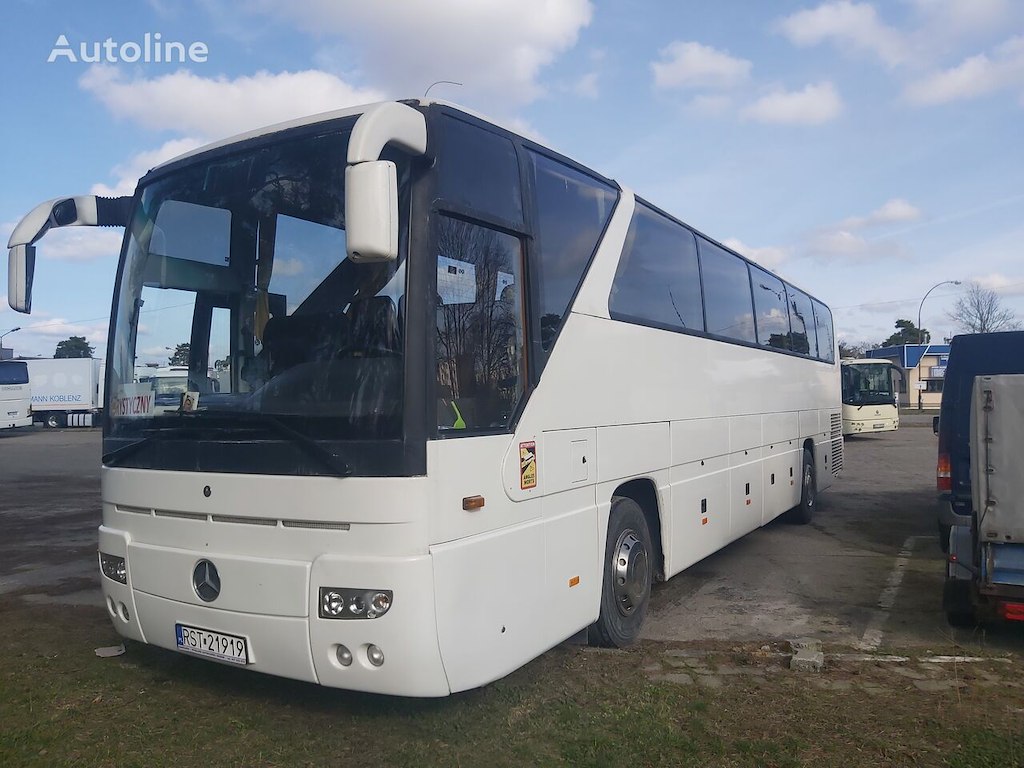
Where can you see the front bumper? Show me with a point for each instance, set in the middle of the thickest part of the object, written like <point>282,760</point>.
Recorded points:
<point>274,606</point>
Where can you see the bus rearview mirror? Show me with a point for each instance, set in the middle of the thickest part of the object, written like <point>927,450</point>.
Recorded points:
<point>21,266</point>
<point>371,211</point>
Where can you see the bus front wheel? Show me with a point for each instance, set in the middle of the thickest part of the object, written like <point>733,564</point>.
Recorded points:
<point>626,589</point>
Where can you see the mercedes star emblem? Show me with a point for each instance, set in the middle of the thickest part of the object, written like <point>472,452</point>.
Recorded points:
<point>206,581</point>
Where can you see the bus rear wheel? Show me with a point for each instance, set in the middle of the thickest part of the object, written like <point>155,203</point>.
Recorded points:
<point>626,589</point>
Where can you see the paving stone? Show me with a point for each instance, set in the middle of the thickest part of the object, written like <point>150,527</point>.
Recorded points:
<point>710,681</point>
<point>728,670</point>
<point>910,672</point>
<point>833,685</point>
<point>938,686</point>
<point>679,678</point>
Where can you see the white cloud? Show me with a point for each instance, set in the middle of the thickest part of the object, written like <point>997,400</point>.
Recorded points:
<point>1001,284</point>
<point>74,243</point>
<point>815,104</point>
<point>218,107</point>
<point>851,26</point>
<point>959,18</point>
<point>895,211</point>
<point>495,48</point>
<point>81,244</point>
<point>845,240</point>
<point>769,256</point>
<point>130,172</point>
<point>973,77</point>
<point>692,65</point>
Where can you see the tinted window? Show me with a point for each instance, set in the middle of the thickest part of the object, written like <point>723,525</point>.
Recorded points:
<point>801,318</point>
<point>823,325</point>
<point>770,307</point>
<point>658,280</point>
<point>572,211</point>
<point>480,361</point>
<point>727,304</point>
<point>478,169</point>
<point>13,373</point>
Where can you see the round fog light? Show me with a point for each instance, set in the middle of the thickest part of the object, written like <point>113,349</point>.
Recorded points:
<point>374,655</point>
<point>344,655</point>
<point>380,603</point>
<point>124,612</point>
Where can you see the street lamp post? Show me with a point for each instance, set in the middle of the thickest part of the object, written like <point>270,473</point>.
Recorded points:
<point>2,339</point>
<point>920,340</point>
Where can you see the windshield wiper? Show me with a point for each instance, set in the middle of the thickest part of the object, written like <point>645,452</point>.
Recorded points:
<point>195,424</point>
<point>113,458</point>
<point>329,460</point>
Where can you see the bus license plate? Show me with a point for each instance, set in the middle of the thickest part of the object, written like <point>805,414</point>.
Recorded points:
<point>878,426</point>
<point>214,645</point>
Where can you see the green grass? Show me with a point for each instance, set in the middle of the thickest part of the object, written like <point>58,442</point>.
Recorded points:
<point>62,705</point>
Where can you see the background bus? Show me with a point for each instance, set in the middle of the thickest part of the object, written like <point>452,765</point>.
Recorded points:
<point>478,398</point>
<point>869,397</point>
<point>15,395</point>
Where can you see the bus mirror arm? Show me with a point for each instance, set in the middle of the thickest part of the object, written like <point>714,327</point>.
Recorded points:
<point>79,211</point>
<point>371,184</point>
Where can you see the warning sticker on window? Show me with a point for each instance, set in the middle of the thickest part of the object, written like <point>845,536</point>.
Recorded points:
<point>528,465</point>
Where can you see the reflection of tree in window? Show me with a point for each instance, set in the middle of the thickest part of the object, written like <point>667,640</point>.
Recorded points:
<point>479,325</point>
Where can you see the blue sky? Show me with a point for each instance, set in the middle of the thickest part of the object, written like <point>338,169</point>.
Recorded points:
<point>865,151</point>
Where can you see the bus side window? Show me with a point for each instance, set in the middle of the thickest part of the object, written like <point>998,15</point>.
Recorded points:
<point>823,326</point>
<point>728,306</point>
<point>658,281</point>
<point>480,304</point>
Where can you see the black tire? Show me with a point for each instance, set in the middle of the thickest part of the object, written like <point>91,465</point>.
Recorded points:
<point>55,420</point>
<point>803,512</point>
<point>958,604</point>
<point>626,589</point>
<point>944,537</point>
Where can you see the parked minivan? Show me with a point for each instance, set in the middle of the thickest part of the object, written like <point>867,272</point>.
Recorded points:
<point>970,355</point>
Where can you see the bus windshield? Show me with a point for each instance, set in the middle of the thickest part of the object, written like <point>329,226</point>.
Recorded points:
<point>13,373</point>
<point>867,384</point>
<point>235,269</point>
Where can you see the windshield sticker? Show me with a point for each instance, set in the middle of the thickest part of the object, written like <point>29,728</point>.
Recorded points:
<point>505,279</point>
<point>189,401</point>
<point>134,402</point>
<point>456,281</point>
<point>528,465</point>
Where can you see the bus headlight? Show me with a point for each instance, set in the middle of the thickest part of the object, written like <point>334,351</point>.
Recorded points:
<point>343,603</point>
<point>113,568</point>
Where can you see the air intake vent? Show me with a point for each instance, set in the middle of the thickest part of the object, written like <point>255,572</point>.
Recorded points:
<point>837,444</point>
<point>269,522</point>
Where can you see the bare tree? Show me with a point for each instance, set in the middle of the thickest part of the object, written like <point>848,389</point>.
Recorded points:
<point>980,310</point>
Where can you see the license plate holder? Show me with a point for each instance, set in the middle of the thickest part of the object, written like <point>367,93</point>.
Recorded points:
<point>232,649</point>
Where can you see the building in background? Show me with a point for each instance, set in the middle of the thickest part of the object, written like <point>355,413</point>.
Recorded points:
<point>924,370</point>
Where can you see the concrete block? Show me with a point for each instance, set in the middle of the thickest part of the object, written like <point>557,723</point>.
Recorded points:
<point>807,661</point>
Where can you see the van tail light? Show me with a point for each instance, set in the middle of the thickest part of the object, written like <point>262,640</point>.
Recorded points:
<point>943,477</point>
<point>1012,611</point>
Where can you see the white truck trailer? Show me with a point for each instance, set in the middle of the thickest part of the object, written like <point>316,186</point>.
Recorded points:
<point>985,572</point>
<point>66,391</point>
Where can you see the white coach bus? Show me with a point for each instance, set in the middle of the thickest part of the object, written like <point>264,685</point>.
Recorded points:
<point>479,398</point>
<point>15,395</point>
